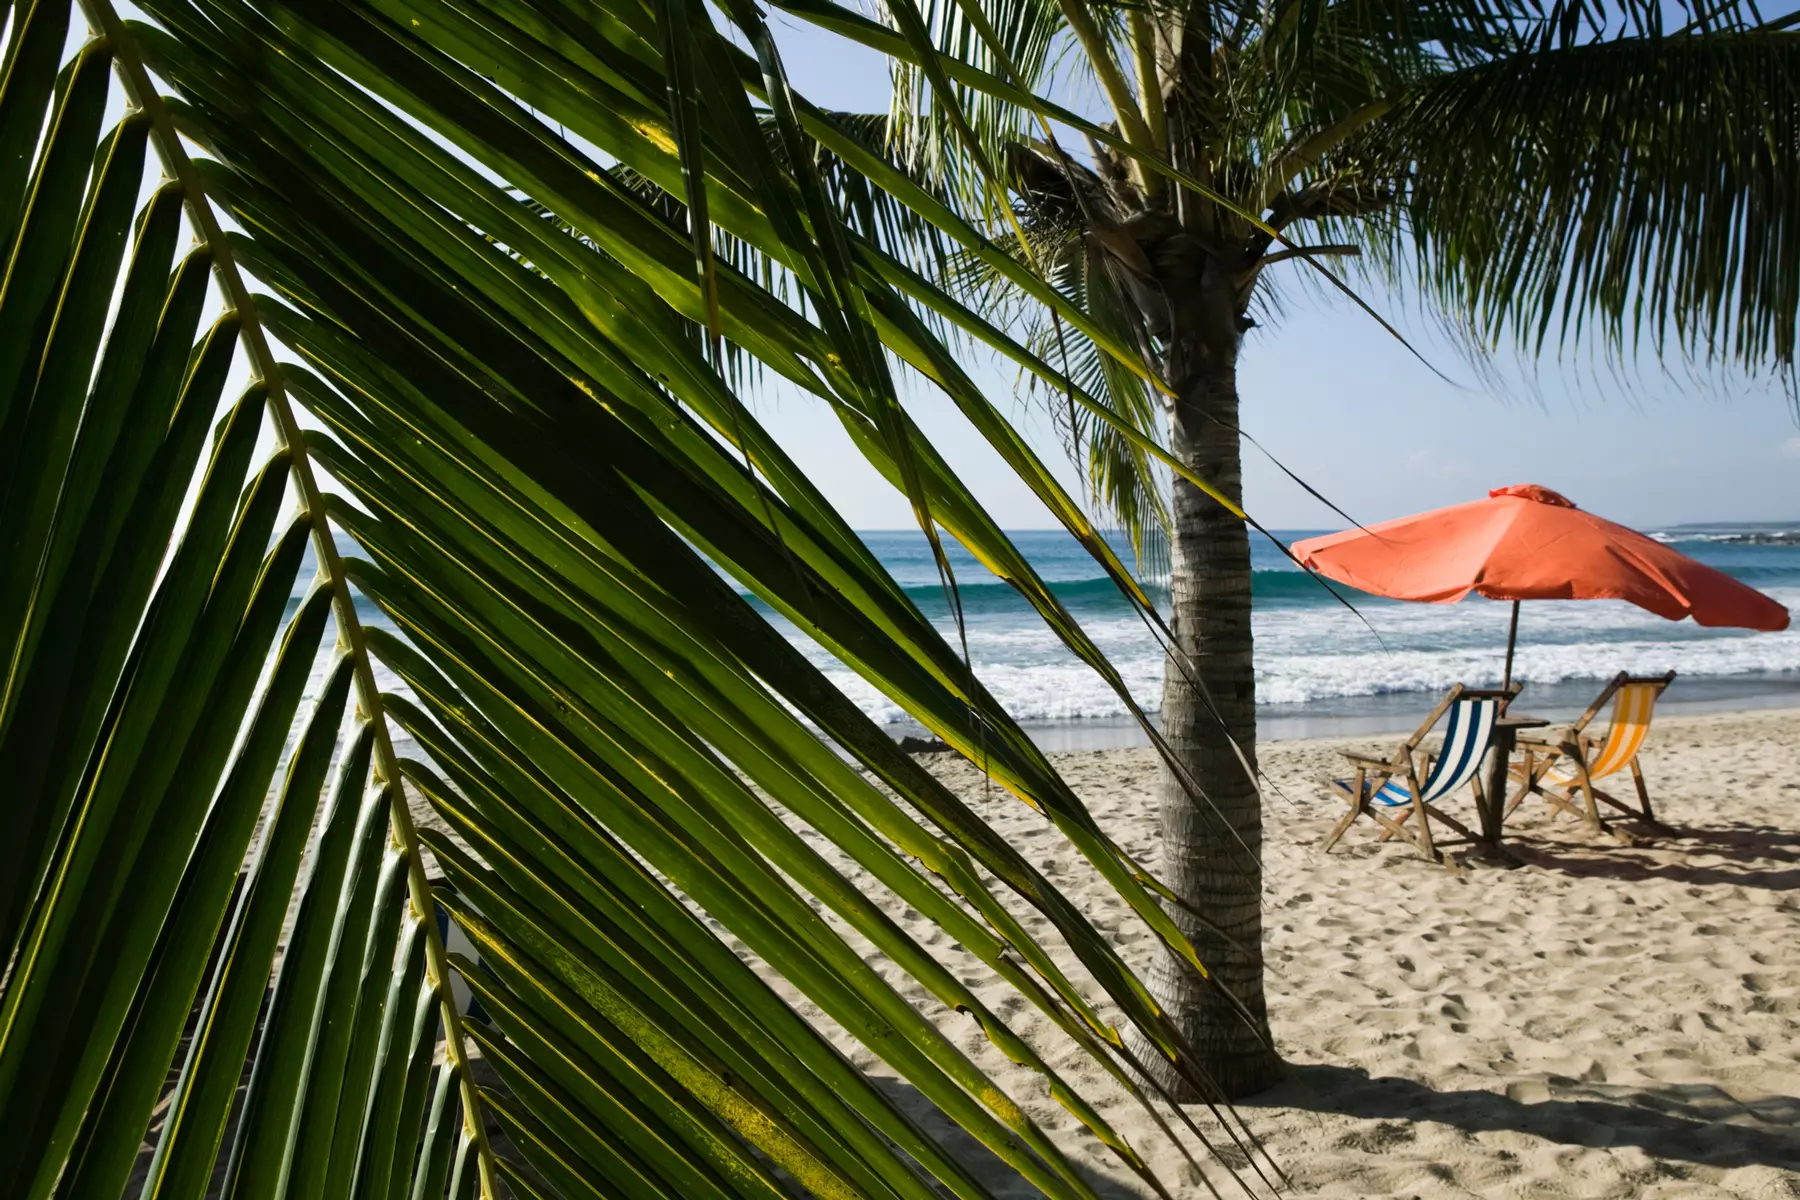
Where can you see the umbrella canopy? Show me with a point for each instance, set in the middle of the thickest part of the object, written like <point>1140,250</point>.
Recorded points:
<point>1526,542</point>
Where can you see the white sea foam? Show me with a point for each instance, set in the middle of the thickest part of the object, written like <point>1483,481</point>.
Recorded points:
<point>1305,655</point>
<point>1311,653</point>
<point>1672,537</point>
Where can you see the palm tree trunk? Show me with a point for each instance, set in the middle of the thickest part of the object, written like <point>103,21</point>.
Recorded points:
<point>1212,845</point>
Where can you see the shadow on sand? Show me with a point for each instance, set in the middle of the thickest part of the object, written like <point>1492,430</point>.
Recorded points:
<point>1228,1170</point>
<point>1752,856</point>
<point>1695,1123</point>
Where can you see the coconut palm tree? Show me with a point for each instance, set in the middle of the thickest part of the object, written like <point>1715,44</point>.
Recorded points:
<point>1613,173</point>
<point>414,783</point>
<point>409,792</point>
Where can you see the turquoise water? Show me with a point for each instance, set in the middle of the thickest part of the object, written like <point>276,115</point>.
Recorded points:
<point>1322,668</point>
<point>1314,653</point>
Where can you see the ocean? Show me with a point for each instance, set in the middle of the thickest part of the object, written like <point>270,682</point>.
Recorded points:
<point>1321,670</point>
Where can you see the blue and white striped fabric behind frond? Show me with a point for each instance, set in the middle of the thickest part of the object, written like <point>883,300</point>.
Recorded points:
<point>1466,739</point>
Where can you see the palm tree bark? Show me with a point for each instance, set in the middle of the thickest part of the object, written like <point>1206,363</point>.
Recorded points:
<point>1212,845</point>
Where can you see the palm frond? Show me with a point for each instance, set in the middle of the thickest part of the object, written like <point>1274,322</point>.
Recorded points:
<point>1614,190</point>
<point>478,370</point>
<point>1125,480</point>
<point>869,212</point>
<point>1027,32</point>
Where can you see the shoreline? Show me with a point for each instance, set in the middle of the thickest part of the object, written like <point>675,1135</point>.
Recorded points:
<point>1400,712</point>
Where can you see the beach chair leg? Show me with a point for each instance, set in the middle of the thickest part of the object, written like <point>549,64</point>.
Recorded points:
<point>1542,769</point>
<point>1585,783</point>
<point>1393,828</point>
<point>1489,820</point>
<point>1445,819</point>
<point>1607,798</point>
<point>1426,846</point>
<point>1388,835</point>
<point>1637,777</point>
<point>1420,836</point>
<point>1539,770</point>
<point>1527,785</point>
<point>1343,826</point>
<point>1423,834</point>
<point>1356,802</point>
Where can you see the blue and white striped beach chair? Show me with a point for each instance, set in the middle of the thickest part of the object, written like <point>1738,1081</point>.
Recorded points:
<point>1393,791</point>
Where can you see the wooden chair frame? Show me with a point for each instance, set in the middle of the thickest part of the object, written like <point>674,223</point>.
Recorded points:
<point>1580,748</point>
<point>1413,765</point>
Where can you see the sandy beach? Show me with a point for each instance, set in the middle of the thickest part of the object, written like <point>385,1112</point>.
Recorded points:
<point>1602,1021</point>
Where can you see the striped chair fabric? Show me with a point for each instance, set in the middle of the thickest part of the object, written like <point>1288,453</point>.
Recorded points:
<point>1381,790</point>
<point>1633,706</point>
<point>1466,737</point>
<point>1563,768</point>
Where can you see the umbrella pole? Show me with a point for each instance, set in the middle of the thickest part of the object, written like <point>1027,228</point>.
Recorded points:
<point>1512,639</point>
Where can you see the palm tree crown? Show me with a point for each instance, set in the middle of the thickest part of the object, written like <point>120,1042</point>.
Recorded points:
<point>1541,175</point>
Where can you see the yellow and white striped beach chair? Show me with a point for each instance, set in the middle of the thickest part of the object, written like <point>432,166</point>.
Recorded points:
<point>1566,766</point>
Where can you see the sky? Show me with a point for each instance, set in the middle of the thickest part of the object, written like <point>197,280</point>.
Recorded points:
<point>1349,409</point>
<point>1345,406</point>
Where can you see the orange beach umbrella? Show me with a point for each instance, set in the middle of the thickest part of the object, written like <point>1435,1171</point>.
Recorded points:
<point>1526,542</point>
